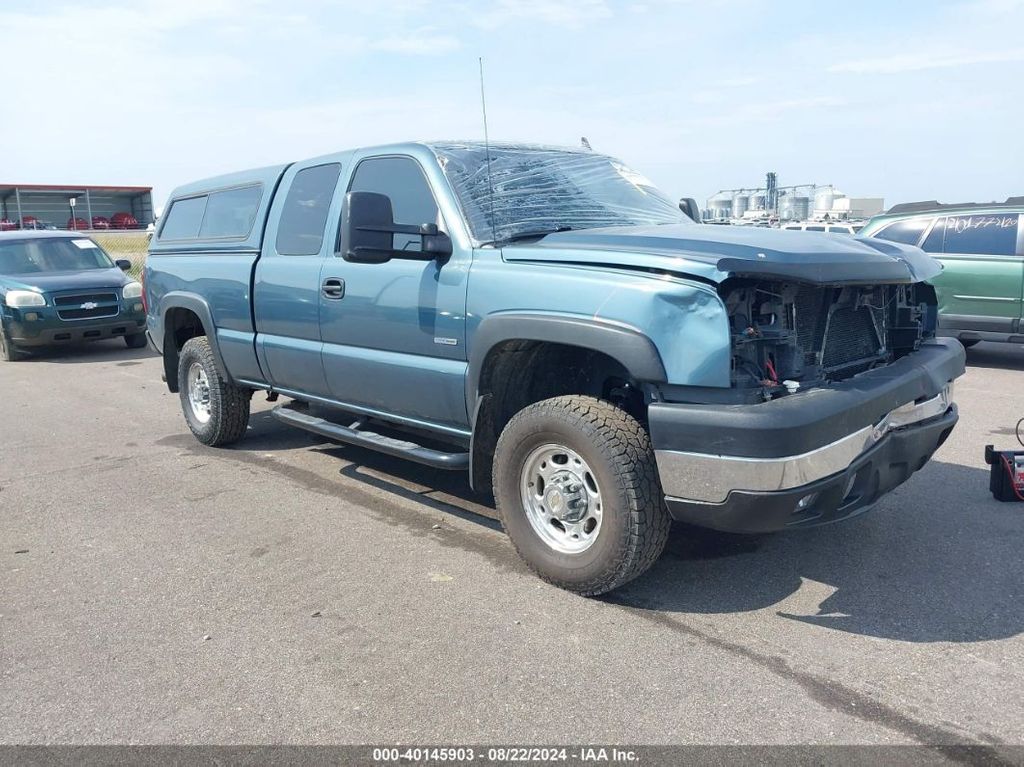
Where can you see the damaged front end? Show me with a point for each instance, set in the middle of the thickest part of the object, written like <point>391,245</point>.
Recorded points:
<point>790,336</point>
<point>839,394</point>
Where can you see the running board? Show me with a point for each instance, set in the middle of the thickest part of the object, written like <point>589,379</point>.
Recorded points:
<point>378,442</point>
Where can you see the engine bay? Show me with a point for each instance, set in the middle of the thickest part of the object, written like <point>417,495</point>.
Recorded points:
<point>790,336</point>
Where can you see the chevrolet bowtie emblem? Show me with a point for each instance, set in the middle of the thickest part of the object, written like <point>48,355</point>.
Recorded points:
<point>89,305</point>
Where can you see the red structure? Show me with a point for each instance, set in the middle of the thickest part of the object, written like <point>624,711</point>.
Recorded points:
<point>123,221</point>
<point>49,206</point>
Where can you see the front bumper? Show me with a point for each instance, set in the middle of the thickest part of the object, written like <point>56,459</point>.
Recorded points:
<point>49,330</point>
<point>809,458</point>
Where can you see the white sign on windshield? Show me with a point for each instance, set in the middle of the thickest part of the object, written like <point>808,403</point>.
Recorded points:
<point>83,244</point>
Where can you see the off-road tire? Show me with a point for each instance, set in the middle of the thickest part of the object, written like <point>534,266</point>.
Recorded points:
<point>635,522</point>
<point>135,341</point>
<point>8,351</point>
<point>229,404</point>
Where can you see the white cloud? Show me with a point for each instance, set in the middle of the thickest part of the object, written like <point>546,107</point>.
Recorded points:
<point>420,42</point>
<point>914,62</point>
<point>999,6</point>
<point>740,82</point>
<point>772,110</point>
<point>559,13</point>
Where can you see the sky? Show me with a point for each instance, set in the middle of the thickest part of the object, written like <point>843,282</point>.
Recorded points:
<point>906,100</point>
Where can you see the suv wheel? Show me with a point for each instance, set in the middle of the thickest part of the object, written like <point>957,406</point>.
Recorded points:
<point>217,411</point>
<point>577,491</point>
<point>135,340</point>
<point>8,351</point>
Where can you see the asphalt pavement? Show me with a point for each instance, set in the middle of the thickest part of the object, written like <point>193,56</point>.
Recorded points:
<point>291,590</point>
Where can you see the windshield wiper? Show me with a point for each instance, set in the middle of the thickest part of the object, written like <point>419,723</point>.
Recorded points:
<point>536,233</point>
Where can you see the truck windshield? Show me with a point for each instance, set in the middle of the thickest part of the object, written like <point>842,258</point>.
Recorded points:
<point>531,190</point>
<point>51,255</point>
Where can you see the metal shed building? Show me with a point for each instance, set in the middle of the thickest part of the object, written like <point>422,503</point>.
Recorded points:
<point>45,206</point>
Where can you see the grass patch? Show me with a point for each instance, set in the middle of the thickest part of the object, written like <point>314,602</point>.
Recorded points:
<point>129,245</point>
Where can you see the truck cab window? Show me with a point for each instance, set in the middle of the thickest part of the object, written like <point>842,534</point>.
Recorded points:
<point>230,213</point>
<point>401,179</point>
<point>183,220</point>
<point>304,215</point>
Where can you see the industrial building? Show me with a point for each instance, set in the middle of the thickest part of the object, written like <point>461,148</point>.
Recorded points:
<point>798,202</point>
<point>44,206</point>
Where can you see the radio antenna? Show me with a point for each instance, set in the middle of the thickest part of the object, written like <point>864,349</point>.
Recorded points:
<point>487,151</point>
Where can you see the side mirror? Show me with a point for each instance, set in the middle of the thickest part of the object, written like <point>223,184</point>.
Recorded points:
<point>368,232</point>
<point>366,228</point>
<point>690,207</point>
<point>123,264</point>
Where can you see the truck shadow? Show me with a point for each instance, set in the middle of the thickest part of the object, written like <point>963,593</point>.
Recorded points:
<point>937,561</point>
<point>446,491</point>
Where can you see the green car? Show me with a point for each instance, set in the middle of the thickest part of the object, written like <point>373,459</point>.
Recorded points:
<point>981,246</point>
<point>62,288</point>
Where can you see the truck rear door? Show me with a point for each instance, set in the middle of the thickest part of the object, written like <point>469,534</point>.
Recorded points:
<point>286,285</point>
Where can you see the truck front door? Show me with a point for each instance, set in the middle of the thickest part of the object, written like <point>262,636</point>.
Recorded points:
<point>394,333</point>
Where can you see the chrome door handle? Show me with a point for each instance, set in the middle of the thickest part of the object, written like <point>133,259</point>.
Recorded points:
<point>333,287</point>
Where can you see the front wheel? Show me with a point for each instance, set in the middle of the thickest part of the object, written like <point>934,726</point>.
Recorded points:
<point>216,410</point>
<point>135,340</point>
<point>577,490</point>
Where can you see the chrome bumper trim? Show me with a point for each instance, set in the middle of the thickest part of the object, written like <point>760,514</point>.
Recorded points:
<point>708,478</point>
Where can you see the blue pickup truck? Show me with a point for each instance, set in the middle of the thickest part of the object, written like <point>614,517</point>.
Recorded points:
<point>550,322</point>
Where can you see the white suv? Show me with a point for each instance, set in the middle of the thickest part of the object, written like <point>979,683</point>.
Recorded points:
<point>822,226</point>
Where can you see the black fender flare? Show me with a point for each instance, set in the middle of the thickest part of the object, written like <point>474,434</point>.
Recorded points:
<point>627,346</point>
<point>198,306</point>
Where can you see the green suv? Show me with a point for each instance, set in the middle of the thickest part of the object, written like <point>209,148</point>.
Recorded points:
<point>61,288</point>
<point>981,289</point>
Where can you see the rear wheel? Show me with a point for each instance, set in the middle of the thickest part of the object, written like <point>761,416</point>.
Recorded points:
<point>216,410</point>
<point>135,341</point>
<point>577,490</point>
<point>8,351</point>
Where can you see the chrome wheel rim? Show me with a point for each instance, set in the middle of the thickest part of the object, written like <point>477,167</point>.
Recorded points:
<point>199,392</point>
<point>561,498</point>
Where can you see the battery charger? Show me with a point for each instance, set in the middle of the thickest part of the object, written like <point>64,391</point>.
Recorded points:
<point>1006,473</point>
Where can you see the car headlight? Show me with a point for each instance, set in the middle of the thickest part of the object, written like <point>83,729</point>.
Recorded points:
<point>20,298</point>
<point>132,290</point>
